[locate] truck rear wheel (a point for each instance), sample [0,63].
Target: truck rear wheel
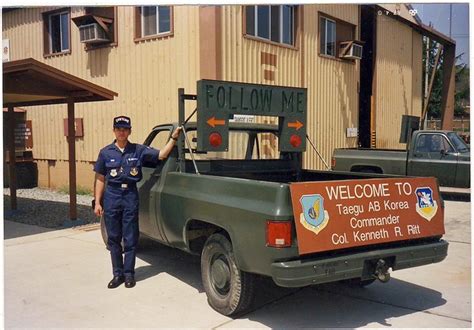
[229,290]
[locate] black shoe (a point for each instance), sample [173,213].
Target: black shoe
[129,282]
[115,282]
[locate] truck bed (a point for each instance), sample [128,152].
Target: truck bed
[371,160]
[281,171]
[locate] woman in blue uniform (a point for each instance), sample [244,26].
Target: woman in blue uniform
[118,169]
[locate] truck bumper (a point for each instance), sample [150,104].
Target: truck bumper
[299,273]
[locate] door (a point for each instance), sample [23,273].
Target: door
[433,155]
[149,185]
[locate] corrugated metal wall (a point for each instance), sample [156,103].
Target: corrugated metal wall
[332,84]
[146,75]
[332,87]
[398,79]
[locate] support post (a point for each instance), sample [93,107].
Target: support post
[12,157]
[181,109]
[447,95]
[71,139]
[428,94]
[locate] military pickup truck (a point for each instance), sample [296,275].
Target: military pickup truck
[440,154]
[238,196]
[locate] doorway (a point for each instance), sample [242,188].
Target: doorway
[367,65]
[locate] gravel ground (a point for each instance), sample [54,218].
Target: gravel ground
[46,208]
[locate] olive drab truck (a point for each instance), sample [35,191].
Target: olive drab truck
[236,194]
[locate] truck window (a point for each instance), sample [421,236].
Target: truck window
[160,139]
[432,143]
[242,145]
[458,142]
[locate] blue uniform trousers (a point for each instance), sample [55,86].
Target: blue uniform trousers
[121,221]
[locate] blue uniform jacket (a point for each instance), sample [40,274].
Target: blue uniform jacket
[126,167]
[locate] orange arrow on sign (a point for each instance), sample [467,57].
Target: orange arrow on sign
[297,124]
[213,122]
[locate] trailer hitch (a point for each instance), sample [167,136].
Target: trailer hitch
[382,271]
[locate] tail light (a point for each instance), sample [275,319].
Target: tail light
[278,234]
[333,162]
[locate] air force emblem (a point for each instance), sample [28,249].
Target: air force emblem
[134,171]
[426,206]
[113,172]
[314,217]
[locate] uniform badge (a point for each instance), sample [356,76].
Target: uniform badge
[134,171]
[113,172]
[426,206]
[314,217]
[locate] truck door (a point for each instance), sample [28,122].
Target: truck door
[433,155]
[149,185]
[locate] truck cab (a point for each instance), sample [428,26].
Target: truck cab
[442,154]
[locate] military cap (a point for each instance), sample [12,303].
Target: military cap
[122,122]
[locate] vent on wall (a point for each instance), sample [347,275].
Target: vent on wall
[92,33]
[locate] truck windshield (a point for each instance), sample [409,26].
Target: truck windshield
[458,142]
[243,145]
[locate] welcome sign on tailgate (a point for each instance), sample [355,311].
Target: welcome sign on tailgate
[342,214]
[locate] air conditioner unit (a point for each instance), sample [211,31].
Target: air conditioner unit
[92,34]
[350,50]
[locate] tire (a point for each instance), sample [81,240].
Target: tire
[142,239]
[229,290]
[103,231]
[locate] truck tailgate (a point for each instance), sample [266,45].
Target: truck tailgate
[333,215]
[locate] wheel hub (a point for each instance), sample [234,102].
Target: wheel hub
[220,275]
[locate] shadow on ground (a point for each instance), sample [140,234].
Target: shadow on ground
[326,305]
[12,229]
[43,213]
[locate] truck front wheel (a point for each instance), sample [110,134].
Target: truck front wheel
[229,290]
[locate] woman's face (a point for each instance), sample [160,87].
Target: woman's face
[121,134]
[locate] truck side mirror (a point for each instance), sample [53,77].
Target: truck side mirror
[443,152]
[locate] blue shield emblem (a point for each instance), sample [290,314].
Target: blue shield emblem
[426,206]
[313,217]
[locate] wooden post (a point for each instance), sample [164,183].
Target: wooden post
[12,157]
[71,139]
[447,94]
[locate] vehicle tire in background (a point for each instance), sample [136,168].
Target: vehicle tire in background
[103,231]
[143,241]
[229,290]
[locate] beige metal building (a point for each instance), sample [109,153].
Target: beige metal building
[146,53]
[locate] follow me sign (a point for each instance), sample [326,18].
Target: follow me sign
[219,100]
[238,98]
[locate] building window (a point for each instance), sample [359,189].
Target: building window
[327,37]
[57,32]
[155,20]
[274,23]
[332,32]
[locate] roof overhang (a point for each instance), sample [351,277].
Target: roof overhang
[29,82]
[415,23]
